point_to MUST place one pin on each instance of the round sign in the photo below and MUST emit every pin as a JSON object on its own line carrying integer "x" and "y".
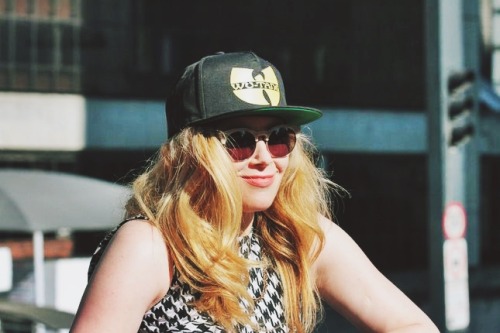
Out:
{"x": 454, "y": 221}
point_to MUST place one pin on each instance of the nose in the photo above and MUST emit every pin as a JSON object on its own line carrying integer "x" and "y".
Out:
{"x": 261, "y": 154}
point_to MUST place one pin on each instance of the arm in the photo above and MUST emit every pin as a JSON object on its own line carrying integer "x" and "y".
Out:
{"x": 349, "y": 283}
{"x": 133, "y": 274}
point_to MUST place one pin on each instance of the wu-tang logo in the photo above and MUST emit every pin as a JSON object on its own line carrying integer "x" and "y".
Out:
{"x": 259, "y": 89}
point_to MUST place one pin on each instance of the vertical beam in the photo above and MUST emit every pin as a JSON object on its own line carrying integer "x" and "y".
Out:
{"x": 436, "y": 160}
{"x": 446, "y": 165}
{"x": 495, "y": 9}
{"x": 472, "y": 38}
{"x": 39, "y": 273}
{"x": 38, "y": 267}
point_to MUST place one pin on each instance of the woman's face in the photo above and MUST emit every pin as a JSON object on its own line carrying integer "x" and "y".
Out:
{"x": 259, "y": 175}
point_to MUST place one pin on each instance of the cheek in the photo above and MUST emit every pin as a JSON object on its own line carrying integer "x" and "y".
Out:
{"x": 238, "y": 166}
{"x": 282, "y": 164}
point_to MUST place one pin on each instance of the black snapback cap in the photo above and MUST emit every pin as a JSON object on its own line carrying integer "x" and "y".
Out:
{"x": 227, "y": 85}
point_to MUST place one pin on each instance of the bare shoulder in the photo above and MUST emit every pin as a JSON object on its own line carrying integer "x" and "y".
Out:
{"x": 139, "y": 241}
{"x": 333, "y": 232}
{"x": 142, "y": 248}
{"x": 326, "y": 224}
{"x": 133, "y": 274}
{"x": 139, "y": 235}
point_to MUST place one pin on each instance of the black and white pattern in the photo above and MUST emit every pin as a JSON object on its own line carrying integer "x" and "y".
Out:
{"x": 176, "y": 312}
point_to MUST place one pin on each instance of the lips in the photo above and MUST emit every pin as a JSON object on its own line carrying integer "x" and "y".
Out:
{"x": 259, "y": 181}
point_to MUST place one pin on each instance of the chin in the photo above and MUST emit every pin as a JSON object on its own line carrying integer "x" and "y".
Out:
{"x": 256, "y": 207}
{"x": 258, "y": 200}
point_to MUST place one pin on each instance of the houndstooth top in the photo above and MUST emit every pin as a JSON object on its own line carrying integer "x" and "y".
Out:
{"x": 176, "y": 313}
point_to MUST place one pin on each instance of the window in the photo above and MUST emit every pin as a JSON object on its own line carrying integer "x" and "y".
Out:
{"x": 39, "y": 45}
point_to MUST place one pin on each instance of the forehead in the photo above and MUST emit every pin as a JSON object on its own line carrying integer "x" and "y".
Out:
{"x": 255, "y": 123}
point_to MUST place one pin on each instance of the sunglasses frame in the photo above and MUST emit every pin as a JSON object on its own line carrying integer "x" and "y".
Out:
{"x": 261, "y": 136}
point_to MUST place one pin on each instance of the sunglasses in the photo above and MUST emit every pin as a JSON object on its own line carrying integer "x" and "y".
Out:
{"x": 240, "y": 143}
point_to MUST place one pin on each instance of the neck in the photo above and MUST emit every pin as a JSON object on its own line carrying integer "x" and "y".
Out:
{"x": 247, "y": 223}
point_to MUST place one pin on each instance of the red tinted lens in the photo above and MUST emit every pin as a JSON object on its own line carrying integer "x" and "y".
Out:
{"x": 281, "y": 141}
{"x": 240, "y": 145}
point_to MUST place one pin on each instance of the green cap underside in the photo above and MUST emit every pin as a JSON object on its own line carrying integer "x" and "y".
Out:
{"x": 292, "y": 115}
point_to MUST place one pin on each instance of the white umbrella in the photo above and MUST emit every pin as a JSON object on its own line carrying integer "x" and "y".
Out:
{"x": 37, "y": 314}
{"x": 37, "y": 201}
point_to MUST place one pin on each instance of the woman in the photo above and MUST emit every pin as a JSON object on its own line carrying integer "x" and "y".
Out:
{"x": 229, "y": 229}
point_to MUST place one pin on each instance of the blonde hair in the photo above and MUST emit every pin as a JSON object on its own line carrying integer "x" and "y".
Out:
{"x": 191, "y": 194}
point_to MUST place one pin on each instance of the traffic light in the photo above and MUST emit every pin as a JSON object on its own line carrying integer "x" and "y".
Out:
{"x": 461, "y": 102}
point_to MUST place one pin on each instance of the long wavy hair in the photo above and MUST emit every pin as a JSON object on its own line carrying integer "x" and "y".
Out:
{"x": 191, "y": 194}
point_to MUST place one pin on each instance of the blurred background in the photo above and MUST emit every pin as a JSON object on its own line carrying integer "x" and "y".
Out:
{"x": 82, "y": 90}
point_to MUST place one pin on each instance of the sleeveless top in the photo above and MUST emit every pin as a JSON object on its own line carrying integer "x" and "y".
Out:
{"x": 175, "y": 312}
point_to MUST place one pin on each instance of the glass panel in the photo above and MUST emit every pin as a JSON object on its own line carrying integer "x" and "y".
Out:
{"x": 3, "y": 6}
{"x": 21, "y": 79}
{"x": 32, "y": 7}
{"x": 4, "y": 78}
{"x": 67, "y": 45}
{"x": 64, "y": 9}
{"x": 43, "y": 80}
{"x": 43, "y": 8}
{"x": 45, "y": 43}
{"x": 4, "y": 42}
{"x": 65, "y": 82}
{"x": 77, "y": 87}
{"x": 23, "y": 43}
{"x": 21, "y": 7}
{"x": 75, "y": 9}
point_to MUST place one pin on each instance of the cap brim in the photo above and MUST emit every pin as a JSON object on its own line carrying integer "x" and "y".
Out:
{"x": 291, "y": 115}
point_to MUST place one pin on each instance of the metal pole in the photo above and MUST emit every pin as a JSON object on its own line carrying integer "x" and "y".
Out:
{"x": 472, "y": 38}
{"x": 449, "y": 293}
{"x": 436, "y": 162}
{"x": 39, "y": 273}
{"x": 38, "y": 268}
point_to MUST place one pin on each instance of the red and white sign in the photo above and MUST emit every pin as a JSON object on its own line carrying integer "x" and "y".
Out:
{"x": 456, "y": 267}
{"x": 454, "y": 221}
